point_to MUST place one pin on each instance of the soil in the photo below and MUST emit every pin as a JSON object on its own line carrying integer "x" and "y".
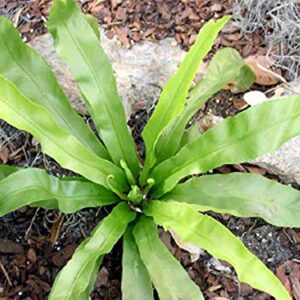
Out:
{"x": 35, "y": 243}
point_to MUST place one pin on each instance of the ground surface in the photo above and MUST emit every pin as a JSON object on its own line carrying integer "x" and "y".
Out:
{"x": 35, "y": 244}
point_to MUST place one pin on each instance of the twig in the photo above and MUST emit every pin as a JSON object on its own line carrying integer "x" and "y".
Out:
{"x": 272, "y": 73}
{"x": 31, "y": 223}
{"x": 5, "y": 274}
{"x": 17, "y": 16}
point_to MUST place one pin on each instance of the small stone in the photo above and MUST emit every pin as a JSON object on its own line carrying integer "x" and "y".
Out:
{"x": 255, "y": 97}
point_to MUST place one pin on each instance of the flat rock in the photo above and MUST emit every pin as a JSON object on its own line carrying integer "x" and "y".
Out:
{"x": 141, "y": 71}
{"x": 285, "y": 162}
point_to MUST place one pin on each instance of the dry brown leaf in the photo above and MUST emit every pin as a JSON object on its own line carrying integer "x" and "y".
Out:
{"x": 262, "y": 77}
{"x": 224, "y": 170}
{"x": 4, "y": 154}
{"x": 217, "y": 7}
{"x": 240, "y": 104}
{"x": 234, "y": 37}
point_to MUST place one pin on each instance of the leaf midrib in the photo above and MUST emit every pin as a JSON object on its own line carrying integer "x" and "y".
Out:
{"x": 95, "y": 79}
{"x": 65, "y": 150}
{"x": 232, "y": 144}
{"x": 28, "y": 74}
{"x": 113, "y": 228}
{"x": 52, "y": 194}
{"x": 152, "y": 249}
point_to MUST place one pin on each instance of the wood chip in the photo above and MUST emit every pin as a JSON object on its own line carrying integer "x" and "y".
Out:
{"x": 289, "y": 275}
{"x": 11, "y": 247}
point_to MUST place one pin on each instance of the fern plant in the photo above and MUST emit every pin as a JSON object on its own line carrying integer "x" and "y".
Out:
{"x": 146, "y": 194}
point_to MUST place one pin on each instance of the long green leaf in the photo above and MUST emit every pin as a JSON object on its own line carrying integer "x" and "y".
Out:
{"x": 35, "y": 186}
{"x": 168, "y": 276}
{"x": 242, "y": 195}
{"x": 258, "y": 130}
{"x": 226, "y": 66}
{"x": 209, "y": 234}
{"x": 79, "y": 47}
{"x": 90, "y": 274}
{"x": 22, "y": 113}
{"x": 94, "y": 25}
{"x": 30, "y": 73}
{"x": 72, "y": 281}
{"x": 6, "y": 170}
{"x": 136, "y": 283}
{"x": 173, "y": 98}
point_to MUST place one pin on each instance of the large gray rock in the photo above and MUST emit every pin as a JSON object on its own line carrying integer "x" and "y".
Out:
{"x": 285, "y": 162}
{"x": 141, "y": 71}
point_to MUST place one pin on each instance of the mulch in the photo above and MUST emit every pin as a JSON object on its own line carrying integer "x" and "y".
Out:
{"x": 35, "y": 244}
{"x": 135, "y": 20}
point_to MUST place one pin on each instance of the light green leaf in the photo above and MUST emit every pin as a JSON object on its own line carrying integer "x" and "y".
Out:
{"x": 212, "y": 236}
{"x": 242, "y": 195}
{"x": 94, "y": 25}
{"x": 90, "y": 273}
{"x": 168, "y": 276}
{"x": 226, "y": 66}
{"x": 72, "y": 281}
{"x": 35, "y": 186}
{"x": 79, "y": 47}
{"x": 22, "y": 113}
{"x": 136, "y": 283}
{"x": 258, "y": 130}
{"x": 173, "y": 98}
{"x": 21, "y": 65}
